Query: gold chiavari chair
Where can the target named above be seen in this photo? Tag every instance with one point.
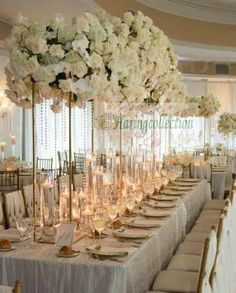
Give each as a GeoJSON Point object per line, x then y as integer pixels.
{"type": "Point", "coordinates": [194, 282]}
{"type": "Point", "coordinates": [16, 289]}
{"type": "Point", "coordinates": [44, 164]}
{"type": "Point", "coordinates": [79, 162]}
{"type": "Point", "coordinates": [61, 160]}
{"type": "Point", "coordinates": [9, 181]}
{"type": "Point", "coordinates": [2, 220]}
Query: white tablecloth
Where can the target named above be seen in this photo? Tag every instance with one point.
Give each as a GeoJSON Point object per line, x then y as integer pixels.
{"type": "Point", "coordinates": [42, 272]}
{"type": "Point", "coordinates": [5, 289]}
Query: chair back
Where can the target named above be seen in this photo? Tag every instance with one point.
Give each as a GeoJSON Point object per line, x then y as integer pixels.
{"type": "Point", "coordinates": [44, 164]}
{"type": "Point", "coordinates": [208, 260]}
{"type": "Point", "coordinates": [79, 162]}
{"type": "Point", "coordinates": [9, 180]}
{"type": "Point", "coordinates": [28, 198]}
{"type": "Point", "coordinates": [219, 278]}
{"type": "Point", "coordinates": [14, 206]}
{"type": "Point", "coordinates": [63, 180]}
{"type": "Point", "coordinates": [78, 181]}
{"type": "Point", "coordinates": [2, 221]}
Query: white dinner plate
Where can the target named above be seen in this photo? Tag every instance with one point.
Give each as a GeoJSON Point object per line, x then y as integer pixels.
{"type": "Point", "coordinates": [188, 184]}
{"type": "Point", "coordinates": [161, 205]}
{"type": "Point", "coordinates": [144, 223]}
{"type": "Point", "coordinates": [164, 198]}
{"type": "Point", "coordinates": [189, 180]}
{"type": "Point", "coordinates": [156, 214]}
{"type": "Point", "coordinates": [180, 188]}
{"type": "Point", "coordinates": [7, 249]}
{"type": "Point", "coordinates": [106, 250]}
{"type": "Point", "coordinates": [173, 192]}
{"type": "Point", "coordinates": [67, 256]}
{"type": "Point", "coordinates": [132, 233]}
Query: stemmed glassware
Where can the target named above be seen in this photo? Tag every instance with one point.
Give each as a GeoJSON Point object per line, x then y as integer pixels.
{"type": "Point", "coordinates": [112, 213]}
{"type": "Point", "coordinates": [22, 226]}
{"type": "Point", "coordinates": [99, 222]}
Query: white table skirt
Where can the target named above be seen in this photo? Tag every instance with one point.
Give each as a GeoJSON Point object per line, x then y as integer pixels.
{"type": "Point", "coordinates": [5, 289]}
{"type": "Point", "coordinates": [42, 272]}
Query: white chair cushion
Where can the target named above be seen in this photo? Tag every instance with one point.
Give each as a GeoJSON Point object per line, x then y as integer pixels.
{"type": "Point", "coordinates": [1, 216]}
{"type": "Point", "coordinates": [202, 227]}
{"type": "Point", "coordinates": [193, 248]}
{"type": "Point", "coordinates": [189, 263]}
{"type": "Point", "coordinates": [196, 236]}
{"type": "Point", "coordinates": [214, 204]}
{"type": "Point", "coordinates": [215, 213]}
{"type": "Point", "coordinates": [176, 281]}
{"type": "Point", "coordinates": [208, 219]}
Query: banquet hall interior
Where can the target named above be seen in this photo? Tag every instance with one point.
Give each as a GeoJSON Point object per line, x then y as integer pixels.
{"type": "Point", "coordinates": [118, 146]}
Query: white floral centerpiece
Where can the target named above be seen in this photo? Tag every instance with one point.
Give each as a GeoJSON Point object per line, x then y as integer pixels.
{"type": "Point", "coordinates": [90, 58]}
{"type": "Point", "coordinates": [201, 106]}
{"type": "Point", "coordinates": [227, 123]}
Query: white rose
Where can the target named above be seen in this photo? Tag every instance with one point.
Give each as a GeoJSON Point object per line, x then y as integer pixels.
{"type": "Point", "coordinates": [81, 24]}
{"type": "Point", "coordinates": [128, 18]}
{"type": "Point", "coordinates": [95, 61]}
{"type": "Point", "coordinates": [62, 67]}
{"type": "Point", "coordinates": [32, 65]}
{"type": "Point", "coordinates": [68, 85]}
{"type": "Point", "coordinates": [81, 43]}
{"type": "Point", "coordinates": [56, 51]}
{"type": "Point", "coordinates": [36, 45]}
{"type": "Point", "coordinates": [79, 69]}
{"type": "Point", "coordinates": [124, 30]}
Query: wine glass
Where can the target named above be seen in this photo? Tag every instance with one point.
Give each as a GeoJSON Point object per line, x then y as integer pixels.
{"type": "Point", "coordinates": [138, 196]}
{"type": "Point", "coordinates": [99, 223]}
{"type": "Point", "coordinates": [22, 226]}
{"type": "Point", "coordinates": [130, 202]}
{"type": "Point", "coordinates": [112, 212]}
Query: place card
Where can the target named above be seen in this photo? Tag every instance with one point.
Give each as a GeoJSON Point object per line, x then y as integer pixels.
{"type": "Point", "coordinates": [65, 234]}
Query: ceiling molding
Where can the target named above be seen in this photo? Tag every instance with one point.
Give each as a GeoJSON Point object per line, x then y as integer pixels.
{"type": "Point", "coordinates": [201, 52]}
{"type": "Point", "coordinates": [194, 10]}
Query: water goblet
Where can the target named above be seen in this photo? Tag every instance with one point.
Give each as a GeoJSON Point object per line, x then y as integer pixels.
{"type": "Point", "coordinates": [22, 226]}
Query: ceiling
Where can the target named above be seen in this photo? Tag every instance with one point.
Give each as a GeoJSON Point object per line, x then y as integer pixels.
{"type": "Point", "coordinates": [218, 11]}
{"type": "Point", "coordinates": [205, 20]}
{"type": "Point", "coordinates": [44, 9]}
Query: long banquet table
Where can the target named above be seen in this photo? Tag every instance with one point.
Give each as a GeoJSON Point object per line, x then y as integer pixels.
{"type": "Point", "coordinates": [42, 272]}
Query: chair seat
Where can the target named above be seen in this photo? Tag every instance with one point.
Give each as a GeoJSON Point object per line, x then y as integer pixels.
{"type": "Point", "coordinates": [196, 236]}
{"type": "Point", "coordinates": [202, 227]}
{"type": "Point", "coordinates": [214, 220]}
{"type": "Point", "coordinates": [189, 247]}
{"type": "Point", "coordinates": [189, 263]}
{"type": "Point", "coordinates": [210, 213]}
{"type": "Point", "coordinates": [214, 204]}
{"type": "Point", "coordinates": [176, 281]}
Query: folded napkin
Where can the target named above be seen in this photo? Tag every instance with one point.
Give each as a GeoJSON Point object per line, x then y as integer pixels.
{"type": "Point", "coordinates": [161, 205]}
{"type": "Point", "coordinates": [156, 213]}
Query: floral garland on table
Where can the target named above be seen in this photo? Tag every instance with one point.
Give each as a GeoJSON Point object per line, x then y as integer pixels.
{"type": "Point", "coordinates": [183, 159]}
{"type": "Point", "coordinates": [122, 60]}
{"type": "Point", "coordinates": [227, 123]}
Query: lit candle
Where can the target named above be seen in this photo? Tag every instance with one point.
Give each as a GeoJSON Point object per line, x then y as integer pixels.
{"type": "Point", "coordinates": [3, 146]}
{"type": "Point", "coordinates": [13, 139]}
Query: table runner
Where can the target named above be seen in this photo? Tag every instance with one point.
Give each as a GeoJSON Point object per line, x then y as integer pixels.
{"type": "Point", "coordinates": [41, 271]}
